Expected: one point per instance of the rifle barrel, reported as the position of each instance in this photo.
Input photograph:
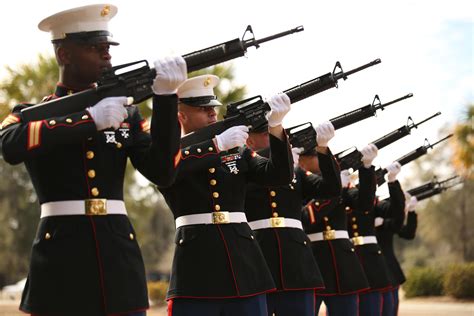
(441, 140)
(272, 37)
(381, 106)
(427, 119)
(350, 72)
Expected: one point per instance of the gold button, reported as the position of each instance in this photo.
(354, 226)
(181, 241)
(217, 207)
(210, 149)
(317, 203)
(328, 227)
(273, 193)
(305, 242)
(275, 214)
(119, 145)
(95, 191)
(131, 236)
(213, 182)
(186, 152)
(91, 173)
(212, 170)
(215, 195)
(326, 218)
(251, 236)
(85, 117)
(52, 122)
(198, 150)
(354, 219)
(47, 236)
(274, 204)
(348, 208)
(90, 154)
(352, 249)
(356, 234)
(379, 252)
(68, 120)
(366, 213)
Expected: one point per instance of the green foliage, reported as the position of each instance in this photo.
(444, 234)
(427, 281)
(463, 143)
(18, 204)
(459, 281)
(157, 292)
(29, 83)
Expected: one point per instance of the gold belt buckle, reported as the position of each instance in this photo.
(329, 234)
(96, 206)
(277, 222)
(357, 241)
(220, 217)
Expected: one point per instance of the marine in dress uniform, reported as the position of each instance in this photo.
(389, 217)
(274, 214)
(362, 233)
(218, 267)
(325, 222)
(83, 263)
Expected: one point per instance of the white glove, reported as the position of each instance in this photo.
(345, 178)
(280, 104)
(378, 221)
(232, 137)
(369, 153)
(171, 72)
(324, 133)
(295, 152)
(393, 169)
(109, 112)
(411, 204)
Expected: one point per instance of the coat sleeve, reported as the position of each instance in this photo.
(275, 170)
(328, 185)
(20, 141)
(408, 231)
(156, 150)
(367, 188)
(394, 208)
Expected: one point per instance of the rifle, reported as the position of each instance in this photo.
(424, 187)
(353, 158)
(429, 185)
(437, 188)
(304, 135)
(363, 112)
(251, 112)
(137, 82)
(415, 154)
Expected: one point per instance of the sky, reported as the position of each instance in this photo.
(426, 48)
